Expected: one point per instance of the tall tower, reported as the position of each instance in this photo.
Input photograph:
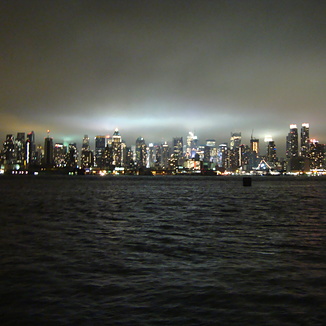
(317, 154)
(235, 140)
(60, 153)
(292, 147)
(118, 149)
(178, 147)
(192, 145)
(9, 150)
(254, 146)
(87, 157)
(85, 145)
(235, 151)
(72, 156)
(30, 148)
(99, 150)
(222, 156)
(141, 154)
(48, 151)
(165, 150)
(305, 140)
(270, 150)
(20, 148)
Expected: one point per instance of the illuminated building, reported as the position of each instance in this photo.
(48, 151)
(141, 154)
(211, 143)
(20, 149)
(30, 148)
(129, 159)
(206, 154)
(118, 149)
(39, 155)
(151, 156)
(72, 156)
(270, 150)
(176, 160)
(9, 153)
(99, 150)
(245, 157)
(316, 154)
(87, 156)
(222, 156)
(305, 140)
(178, 147)
(254, 146)
(235, 140)
(192, 145)
(60, 152)
(165, 156)
(292, 147)
(235, 152)
(254, 153)
(85, 144)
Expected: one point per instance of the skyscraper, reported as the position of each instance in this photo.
(192, 145)
(254, 146)
(87, 156)
(151, 155)
(211, 143)
(118, 149)
(235, 151)
(305, 140)
(165, 156)
(292, 149)
(99, 150)
(235, 140)
(20, 149)
(222, 156)
(30, 148)
(9, 150)
(72, 156)
(60, 152)
(178, 147)
(48, 151)
(270, 150)
(141, 153)
(85, 145)
(316, 154)
(177, 154)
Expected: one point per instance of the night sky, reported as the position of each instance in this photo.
(160, 69)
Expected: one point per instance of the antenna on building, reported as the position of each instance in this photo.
(252, 132)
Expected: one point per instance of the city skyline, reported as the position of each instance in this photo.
(159, 69)
(112, 155)
(288, 140)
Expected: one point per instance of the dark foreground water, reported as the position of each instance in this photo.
(162, 251)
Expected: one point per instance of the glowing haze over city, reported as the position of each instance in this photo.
(159, 69)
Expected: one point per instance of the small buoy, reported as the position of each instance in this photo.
(246, 181)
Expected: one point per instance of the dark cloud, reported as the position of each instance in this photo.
(162, 67)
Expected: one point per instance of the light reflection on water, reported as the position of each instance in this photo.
(163, 250)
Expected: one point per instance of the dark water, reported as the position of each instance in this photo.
(162, 251)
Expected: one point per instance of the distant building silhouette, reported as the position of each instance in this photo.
(292, 147)
(305, 140)
(48, 152)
